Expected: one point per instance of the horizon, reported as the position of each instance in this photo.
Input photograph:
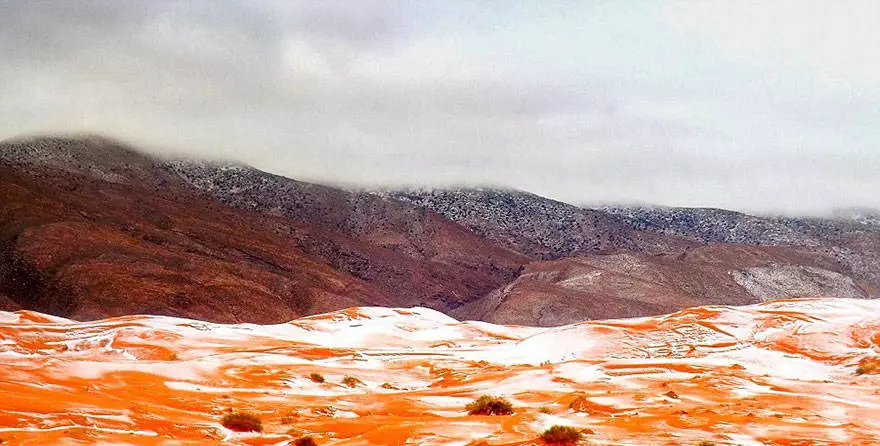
(763, 109)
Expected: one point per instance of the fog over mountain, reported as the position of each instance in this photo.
(739, 105)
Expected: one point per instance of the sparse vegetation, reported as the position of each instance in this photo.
(868, 365)
(490, 405)
(305, 441)
(561, 435)
(317, 377)
(580, 404)
(326, 411)
(242, 422)
(351, 381)
(705, 443)
(289, 417)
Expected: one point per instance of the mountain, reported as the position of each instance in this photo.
(92, 228)
(791, 372)
(637, 261)
(85, 219)
(87, 246)
(557, 292)
(851, 237)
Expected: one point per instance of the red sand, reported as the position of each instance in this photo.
(782, 373)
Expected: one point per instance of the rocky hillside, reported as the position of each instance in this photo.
(851, 237)
(556, 292)
(537, 226)
(90, 227)
(708, 225)
(85, 218)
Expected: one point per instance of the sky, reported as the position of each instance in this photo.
(762, 106)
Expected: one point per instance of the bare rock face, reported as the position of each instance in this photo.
(777, 282)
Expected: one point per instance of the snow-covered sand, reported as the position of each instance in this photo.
(778, 373)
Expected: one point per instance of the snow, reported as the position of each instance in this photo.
(440, 365)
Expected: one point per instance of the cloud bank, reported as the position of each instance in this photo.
(758, 106)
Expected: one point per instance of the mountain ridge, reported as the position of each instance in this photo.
(463, 251)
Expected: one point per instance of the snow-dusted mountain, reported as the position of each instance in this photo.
(538, 226)
(92, 227)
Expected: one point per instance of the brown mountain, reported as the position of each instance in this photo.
(563, 291)
(92, 228)
(620, 262)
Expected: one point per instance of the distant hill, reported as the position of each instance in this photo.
(852, 238)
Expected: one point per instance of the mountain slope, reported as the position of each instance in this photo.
(109, 217)
(791, 372)
(461, 264)
(615, 262)
(708, 225)
(539, 227)
(82, 248)
(852, 238)
(88, 218)
(564, 291)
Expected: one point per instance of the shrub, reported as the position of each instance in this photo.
(289, 417)
(580, 404)
(705, 443)
(868, 365)
(545, 409)
(561, 435)
(351, 381)
(490, 405)
(242, 422)
(316, 377)
(326, 411)
(305, 441)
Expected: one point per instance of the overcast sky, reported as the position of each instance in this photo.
(765, 106)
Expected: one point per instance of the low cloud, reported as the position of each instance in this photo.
(745, 105)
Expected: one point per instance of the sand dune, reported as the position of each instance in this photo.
(780, 373)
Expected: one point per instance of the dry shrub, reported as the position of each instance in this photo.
(490, 405)
(351, 381)
(562, 435)
(305, 441)
(242, 422)
(869, 365)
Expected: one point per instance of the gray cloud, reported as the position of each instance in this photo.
(737, 105)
